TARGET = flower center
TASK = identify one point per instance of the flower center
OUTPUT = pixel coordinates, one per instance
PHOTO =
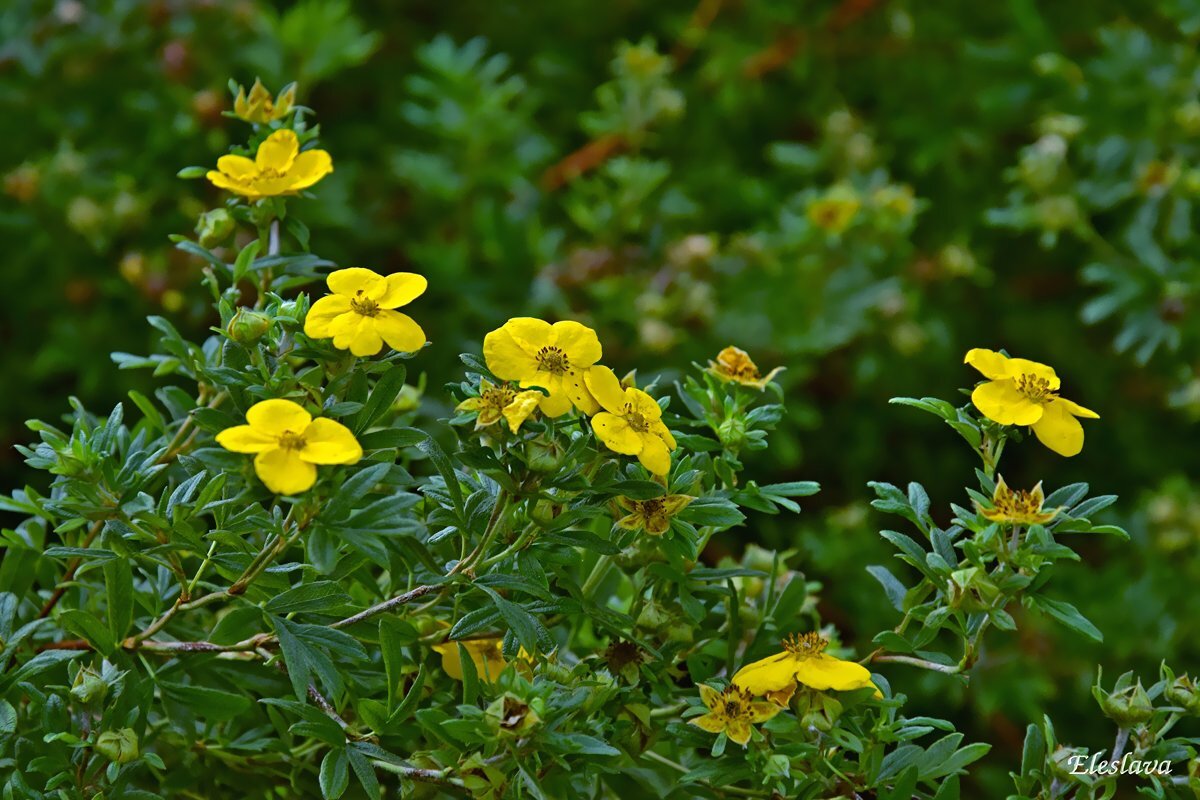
(1018, 502)
(635, 420)
(1034, 388)
(363, 305)
(291, 441)
(498, 397)
(805, 645)
(652, 507)
(735, 703)
(554, 360)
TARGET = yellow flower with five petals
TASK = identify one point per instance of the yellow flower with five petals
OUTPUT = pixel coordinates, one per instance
(803, 661)
(732, 712)
(288, 444)
(501, 402)
(631, 422)
(360, 315)
(278, 168)
(1023, 392)
(1017, 507)
(553, 357)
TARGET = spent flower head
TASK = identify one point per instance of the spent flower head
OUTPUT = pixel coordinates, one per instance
(259, 107)
(734, 364)
(732, 712)
(1017, 507)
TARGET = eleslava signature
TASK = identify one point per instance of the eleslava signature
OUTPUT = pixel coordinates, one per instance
(1082, 765)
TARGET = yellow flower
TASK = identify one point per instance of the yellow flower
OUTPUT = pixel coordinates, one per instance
(278, 168)
(631, 422)
(359, 314)
(735, 364)
(1023, 392)
(1017, 507)
(259, 107)
(652, 516)
(486, 654)
(732, 712)
(835, 211)
(495, 402)
(802, 661)
(554, 357)
(288, 442)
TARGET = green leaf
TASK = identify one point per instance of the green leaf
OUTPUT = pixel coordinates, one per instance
(295, 657)
(118, 585)
(86, 626)
(245, 260)
(208, 704)
(713, 512)
(525, 627)
(891, 585)
(1069, 615)
(380, 401)
(335, 774)
(638, 489)
(316, 596)
(363, 771)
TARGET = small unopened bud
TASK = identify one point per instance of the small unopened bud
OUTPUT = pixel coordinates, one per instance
(971, 590)
(120, 746)
(1127, 707)
(89, 686)
(248, 326)
(215, 227)
(732, 432)
(1184, 693)
(543, 457)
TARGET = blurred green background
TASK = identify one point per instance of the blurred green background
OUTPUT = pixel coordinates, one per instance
(858, 190)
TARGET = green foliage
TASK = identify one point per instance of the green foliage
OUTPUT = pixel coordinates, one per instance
(858, 191)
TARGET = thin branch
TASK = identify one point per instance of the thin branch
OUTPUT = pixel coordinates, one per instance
(387, 605)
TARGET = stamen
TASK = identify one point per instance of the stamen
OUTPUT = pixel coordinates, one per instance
(291, 441)
(1034, 388)
(554, 360)
(805, 645)
(364, 305)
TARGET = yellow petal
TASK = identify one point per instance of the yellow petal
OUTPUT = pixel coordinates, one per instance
(284, 472)
(761, 712)
(606, 389)
(738, 731)
(643, 404)
(246, 439)
(993, 365)
(223, 181)
(278, 416)
(530, 333)
(506, 356)
(1000, 401)
(327, 441)
(278, 151)
(322, 314)
(1059, 430)
(524, 404)
(399, 331)
(237, 166)
(1077, 409)
(451, 661)
(616, 434)
(772, 674)
(557, 403)
(402, 289)
(308, 168)
(826, 672)
(575, 384)
(354, 280)
(654, 456)
(578, 341)
(709, 695)
(660, 430)
(367, 341)
(709, 722)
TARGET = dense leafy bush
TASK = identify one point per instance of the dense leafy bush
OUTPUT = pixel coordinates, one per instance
(859, 192)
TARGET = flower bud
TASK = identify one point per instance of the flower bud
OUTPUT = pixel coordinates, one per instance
(1183, 692)
(1057, 213)
(248, 326)
(543, 457)
(120, 746)
(732, 432)
(971, 590)
(1127, 707)
(89, 686)
(1063, 761)
(215, 227)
